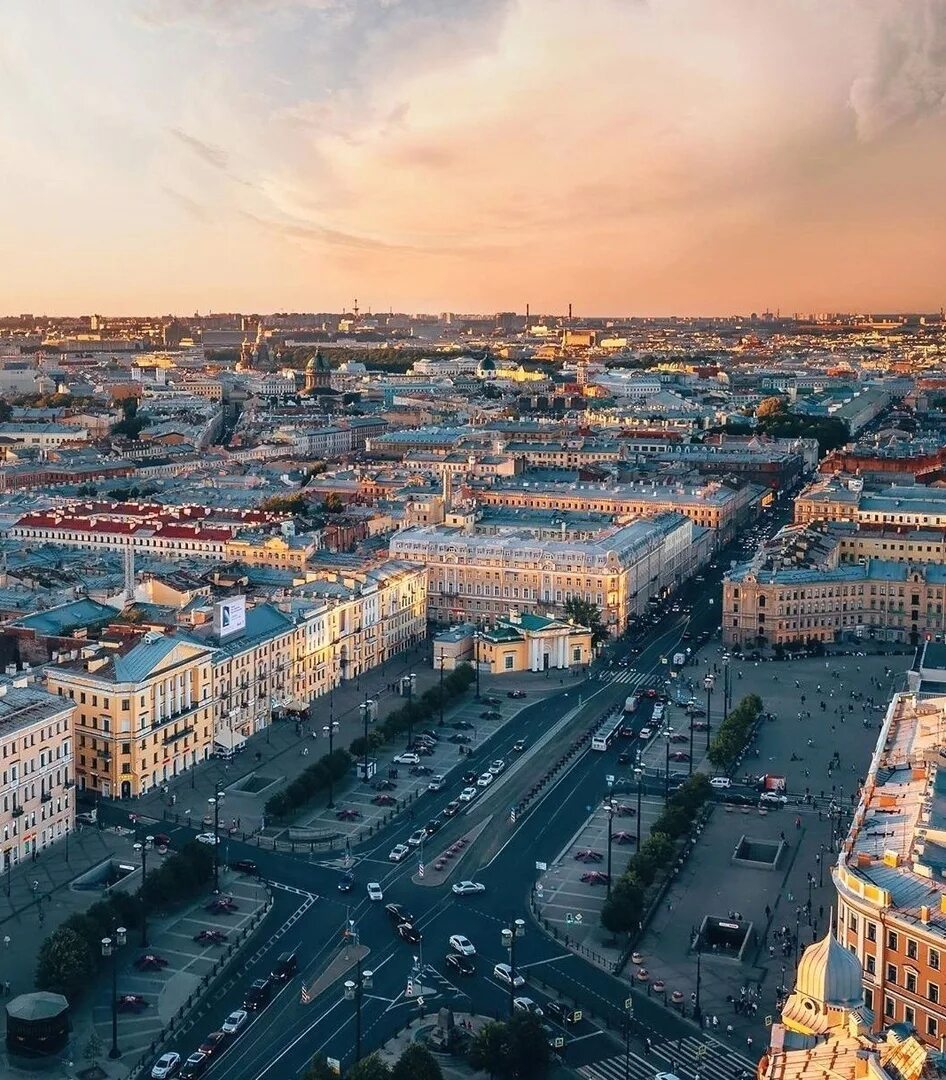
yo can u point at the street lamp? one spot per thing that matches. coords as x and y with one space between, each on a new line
365 712
509 939
709 682
440 721
215 803
628 1015
820 858
354 991
811 881
697 1010
142 850
110 949
476 646
667 732
727 686
609 807
639 774
411 679
329 729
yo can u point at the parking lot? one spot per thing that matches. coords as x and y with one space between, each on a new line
176 966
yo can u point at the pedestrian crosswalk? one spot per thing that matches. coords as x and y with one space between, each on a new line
631 677
690 1058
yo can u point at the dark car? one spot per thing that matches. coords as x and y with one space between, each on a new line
561 1012
430 734
516 693
408 932
463 725
625 758
130 1003
285 967
420 770
462 965
258 995
212 1043
245 866
491 714
490 700
459 737
210 937
470 777
451 808
398 914
733 798
432 826
384 800
518 746
384 785
347 883
424 749
196 1065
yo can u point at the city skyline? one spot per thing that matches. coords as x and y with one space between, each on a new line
651 159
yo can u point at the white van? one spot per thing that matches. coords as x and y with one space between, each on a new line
720 782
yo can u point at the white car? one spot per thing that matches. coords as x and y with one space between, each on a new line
645 733
207 838
166 1065
462 945
497 766
503 972
773 798
485 780
466 888
526 1005
398 852
374 891
436 783
468 794
234 1022
417 838
720 782
407 759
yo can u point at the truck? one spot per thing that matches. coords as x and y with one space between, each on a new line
630 703
771 782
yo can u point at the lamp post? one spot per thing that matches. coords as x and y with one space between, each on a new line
411 679
628 1015
639 774
708 683
609 807
110 949
727 686
509 938
354 991
820 866
667 732
365 710
476 647
440 721
330 728
811 881
142 849
215 803
697 1010
690 770
797 927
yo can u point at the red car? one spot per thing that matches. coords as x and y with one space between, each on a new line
588 855
213 1042
595 877
623 837
700 725
130 1003
384 800
679 755
623 810
348 815
222 905
150 962
210 937
678 738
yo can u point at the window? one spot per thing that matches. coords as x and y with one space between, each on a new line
911 981
911 948
893 942
871 931
931 1026
870 964
934 959
892 973
909 1014
932 992
508 662
869 998
126 704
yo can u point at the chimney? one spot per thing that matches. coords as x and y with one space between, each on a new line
924 914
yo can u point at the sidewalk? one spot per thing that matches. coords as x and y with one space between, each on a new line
274 756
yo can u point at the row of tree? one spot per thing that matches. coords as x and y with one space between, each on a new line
734 733
517 1049
624 908
311 782
416 711
71 955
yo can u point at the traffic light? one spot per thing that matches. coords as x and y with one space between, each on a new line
410 987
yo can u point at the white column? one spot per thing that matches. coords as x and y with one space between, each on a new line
158 702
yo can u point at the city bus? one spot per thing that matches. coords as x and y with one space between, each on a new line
607 732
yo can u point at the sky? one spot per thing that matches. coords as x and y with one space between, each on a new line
631 157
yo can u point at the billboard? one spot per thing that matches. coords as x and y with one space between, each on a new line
230 616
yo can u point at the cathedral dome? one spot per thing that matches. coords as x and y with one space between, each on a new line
831 974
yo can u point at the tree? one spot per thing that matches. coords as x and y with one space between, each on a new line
416 1063
529 1052
333 503
92 1050
585 613
769 406
319 1069
489 1050
64 965
623 909
369 1068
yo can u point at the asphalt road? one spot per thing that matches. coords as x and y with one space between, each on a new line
312 914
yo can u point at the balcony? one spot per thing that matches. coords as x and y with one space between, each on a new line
170 739
165 720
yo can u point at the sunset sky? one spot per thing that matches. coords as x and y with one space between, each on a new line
629 156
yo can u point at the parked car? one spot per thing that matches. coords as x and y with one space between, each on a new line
235 1022
150 962
516 693
130 1003
195 1066
406 759
166 1066
210 937
462 725
491 714
384 800
460 738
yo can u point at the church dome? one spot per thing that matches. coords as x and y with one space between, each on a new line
831 974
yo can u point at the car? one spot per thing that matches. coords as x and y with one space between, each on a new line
485 780
258 994
207 838
516 693
503 972
424 749
468 794
462 965
491 715
406 759
130 1003
384 785
235 1022
245 866
210 937
772 798
348 814
697 710
518 746
287 964
562 1013
166 1066
490 700
150 962
399 852
720 782
594 877
375 892
468 888
459 738
462 725
213 1042
429 733
222 905
420 770
497 766
645 733
347 882
588 855
196 1065
384 800
417 837
432 826
451 808
436 783
734 798
398 914
162 840
427 740
462 945
470 777
408 932
625 758
666 1076
678 737
700 725
679 755
526 1005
